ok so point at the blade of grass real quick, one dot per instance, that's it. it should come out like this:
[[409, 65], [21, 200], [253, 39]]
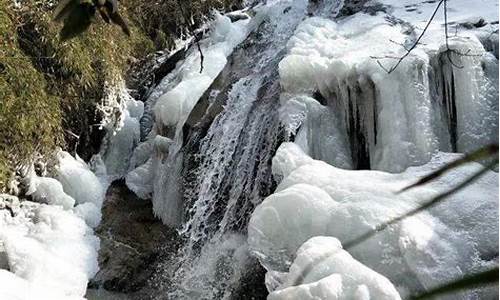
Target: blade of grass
[[427, 205], [479, 154], [467, 282]]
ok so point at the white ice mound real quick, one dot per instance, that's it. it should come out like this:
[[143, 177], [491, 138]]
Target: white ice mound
[[456, 237], [17, 288], [140, 180], [322, 270], [51, 252], [48, 190], [78, 180]]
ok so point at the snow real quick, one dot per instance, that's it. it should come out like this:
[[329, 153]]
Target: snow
[[343, 111], [17, 288], [48, 247], [51, 253], [48, 190], [323, 270], [459, 11], [456, 237]]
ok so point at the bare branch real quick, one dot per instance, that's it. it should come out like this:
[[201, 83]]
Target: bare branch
[[191, 32], [448, 51]]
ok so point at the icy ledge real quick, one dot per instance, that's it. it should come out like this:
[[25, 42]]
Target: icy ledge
[[375, 120], [48, 249], [314, 199]]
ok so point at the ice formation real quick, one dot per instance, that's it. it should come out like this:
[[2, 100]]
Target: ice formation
[[158, 160], [459, 236], [342, 108], [48, 190], [51, 253], [323, 270], [390, 121], [78, 180], [336, 93], [122, 114], [48, 247]]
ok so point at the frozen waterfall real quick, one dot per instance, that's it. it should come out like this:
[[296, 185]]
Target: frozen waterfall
[[300, 77]]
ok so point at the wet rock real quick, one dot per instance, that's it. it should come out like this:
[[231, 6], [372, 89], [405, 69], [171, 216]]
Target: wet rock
[[252, 286], [131, 238]]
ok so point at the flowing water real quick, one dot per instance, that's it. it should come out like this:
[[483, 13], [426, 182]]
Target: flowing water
[[227, 165], [217, 166]]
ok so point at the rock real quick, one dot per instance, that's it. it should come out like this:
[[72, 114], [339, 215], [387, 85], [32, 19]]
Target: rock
[[131, 241]]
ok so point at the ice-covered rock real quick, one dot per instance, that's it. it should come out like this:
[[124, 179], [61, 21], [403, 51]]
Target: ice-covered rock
[[323, 270], [171, 103], [51, 253], [90, 213], [174, 106], [140, 180], [48, 190], [436, 98], [78, 180], [456, 237], [121, 120]]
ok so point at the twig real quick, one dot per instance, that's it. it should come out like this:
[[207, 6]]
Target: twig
[[468, 282], [408, 51], [191, 31], [479, 154], [417, 42], [448, 52]]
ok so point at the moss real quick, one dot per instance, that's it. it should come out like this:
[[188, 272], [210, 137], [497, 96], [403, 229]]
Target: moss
[[30, 118], [164, 21], [49, 89]]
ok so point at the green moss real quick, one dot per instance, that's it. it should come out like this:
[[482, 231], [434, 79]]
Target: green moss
[[30, 119]]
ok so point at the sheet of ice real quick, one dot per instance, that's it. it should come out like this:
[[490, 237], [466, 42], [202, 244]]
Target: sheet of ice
[[323, 270], [121, 115], [316, 130], [401, 119], [457, 237], [459, 11], [174, 106], [51, 253]]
